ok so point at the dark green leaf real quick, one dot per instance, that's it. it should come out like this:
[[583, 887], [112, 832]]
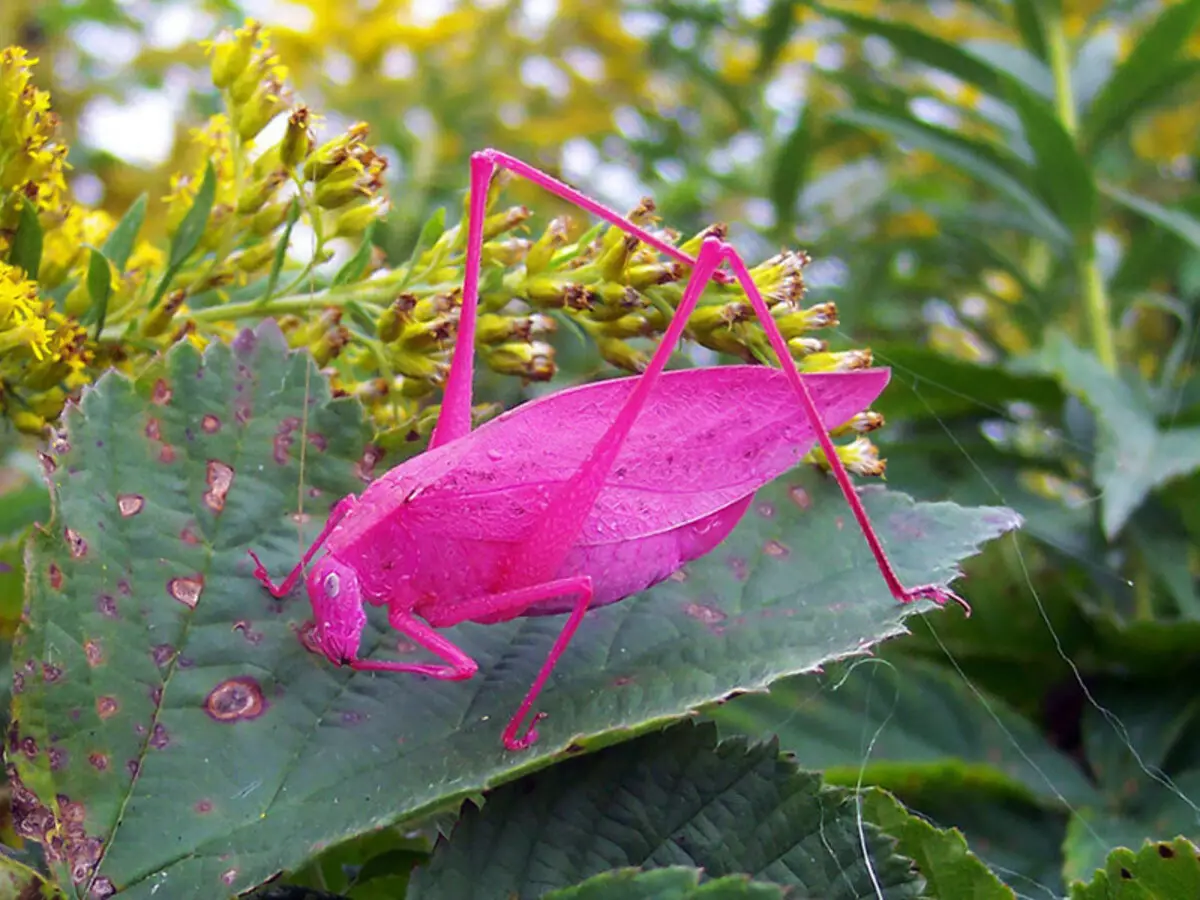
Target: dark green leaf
[[774, 33], [433, 228], [1150, 63], [951, 870], [281, 248], [189, 233], [99, 284], [1161, 870], [353, 268], [1174, 219], [923, 724], [1063, 177], [671, 883], [941, 54], [789, 172], [1029, 22], [26, 251], [973, 161], [119, 245], [666, 799]]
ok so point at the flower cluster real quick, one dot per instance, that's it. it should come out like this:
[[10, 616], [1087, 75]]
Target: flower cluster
[[384, 334]]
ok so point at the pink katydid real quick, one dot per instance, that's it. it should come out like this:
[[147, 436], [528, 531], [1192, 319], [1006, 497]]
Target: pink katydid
[[577, 499]]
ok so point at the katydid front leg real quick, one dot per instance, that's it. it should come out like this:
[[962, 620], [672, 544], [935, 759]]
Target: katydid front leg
[[339, 512]]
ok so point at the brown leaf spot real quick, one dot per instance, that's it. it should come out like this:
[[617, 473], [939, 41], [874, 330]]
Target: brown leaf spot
[[162, 654], [49, 466], [51, 673], [162, 393], [75, 542], [229, 876], [220, 477], [58, 758], [800, 496], [152, 429], [301, 518], [318, 442], [186, 590], [283, 439], [235, 699], [678, 575], [1166, 851], [59, 443], [766, 510], [133, 767], [203, 806], [159, 739], [99, 761], [103, 888], [188, 536], [365, 467], [18, 683], [55, 575], [107, 707], [775, 549], [130, 504], [210, 424], [707, 614], [738, 566], [167, 454], [29, 747], [106, 605]]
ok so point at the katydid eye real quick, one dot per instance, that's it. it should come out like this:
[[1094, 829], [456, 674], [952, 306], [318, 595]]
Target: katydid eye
[[332, 585]]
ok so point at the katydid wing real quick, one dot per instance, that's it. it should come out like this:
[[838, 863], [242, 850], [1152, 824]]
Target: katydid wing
[[591, 494]]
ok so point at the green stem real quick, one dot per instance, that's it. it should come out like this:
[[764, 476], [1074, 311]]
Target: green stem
[[1096, 303]]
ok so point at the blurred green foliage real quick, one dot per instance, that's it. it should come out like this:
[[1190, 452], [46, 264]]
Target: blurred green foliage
[[1001, 198]]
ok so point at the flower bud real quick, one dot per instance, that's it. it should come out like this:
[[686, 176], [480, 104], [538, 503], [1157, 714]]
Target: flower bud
[[858, 458], [160, 317], [354, 221], [541, 254], [628, 326], [255, 196], [802, 347], [231, 57], [533, 361], [254, 257], [513, 217], [555, 293], [861, 423], [642, 277], [845, 361], [504, 253], [617, 353], [297, 140], [327, 347], [616, 300], [393, 319], [719, 230], [270, 217]]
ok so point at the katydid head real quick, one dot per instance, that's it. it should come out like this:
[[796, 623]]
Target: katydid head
[[337, 609]]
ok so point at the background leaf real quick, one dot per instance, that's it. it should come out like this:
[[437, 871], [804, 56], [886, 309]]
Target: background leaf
[[676, 798]]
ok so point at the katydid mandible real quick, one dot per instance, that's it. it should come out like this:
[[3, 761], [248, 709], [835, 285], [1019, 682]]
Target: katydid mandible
[[577, 499]]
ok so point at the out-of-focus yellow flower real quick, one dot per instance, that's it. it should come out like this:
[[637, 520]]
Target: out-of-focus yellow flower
[[1002, 285], [911, 223], [66, 237], [1165, 136]]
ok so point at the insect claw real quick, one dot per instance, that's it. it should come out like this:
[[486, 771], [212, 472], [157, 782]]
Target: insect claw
[[938, 594]]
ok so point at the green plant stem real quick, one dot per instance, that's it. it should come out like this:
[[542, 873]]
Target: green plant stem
[[1096, 303]]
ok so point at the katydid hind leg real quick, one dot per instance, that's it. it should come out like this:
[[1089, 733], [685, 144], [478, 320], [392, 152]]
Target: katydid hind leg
[[939, 594], [339, 512]]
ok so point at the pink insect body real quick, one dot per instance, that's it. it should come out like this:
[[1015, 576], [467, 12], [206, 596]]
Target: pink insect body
[[577, 499]]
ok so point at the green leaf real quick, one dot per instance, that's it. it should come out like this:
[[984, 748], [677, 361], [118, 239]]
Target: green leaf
[[673, 798], [20, 882], [671, 883], [99, 284], [923, 724], [1161, 870], [1150, 63], [353, 268], [941, 855], [1063, 176], [336, 753], [281, 248], [433, 228], [119, 245], [941, 54], [1029, 22], [1175, 220], [976, 162], [1133, 456], [790, 171], [774, 33], [189, 233], [26, 251]]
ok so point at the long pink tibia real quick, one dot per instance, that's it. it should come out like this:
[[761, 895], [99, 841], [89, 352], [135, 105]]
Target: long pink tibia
[[445, 523]]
